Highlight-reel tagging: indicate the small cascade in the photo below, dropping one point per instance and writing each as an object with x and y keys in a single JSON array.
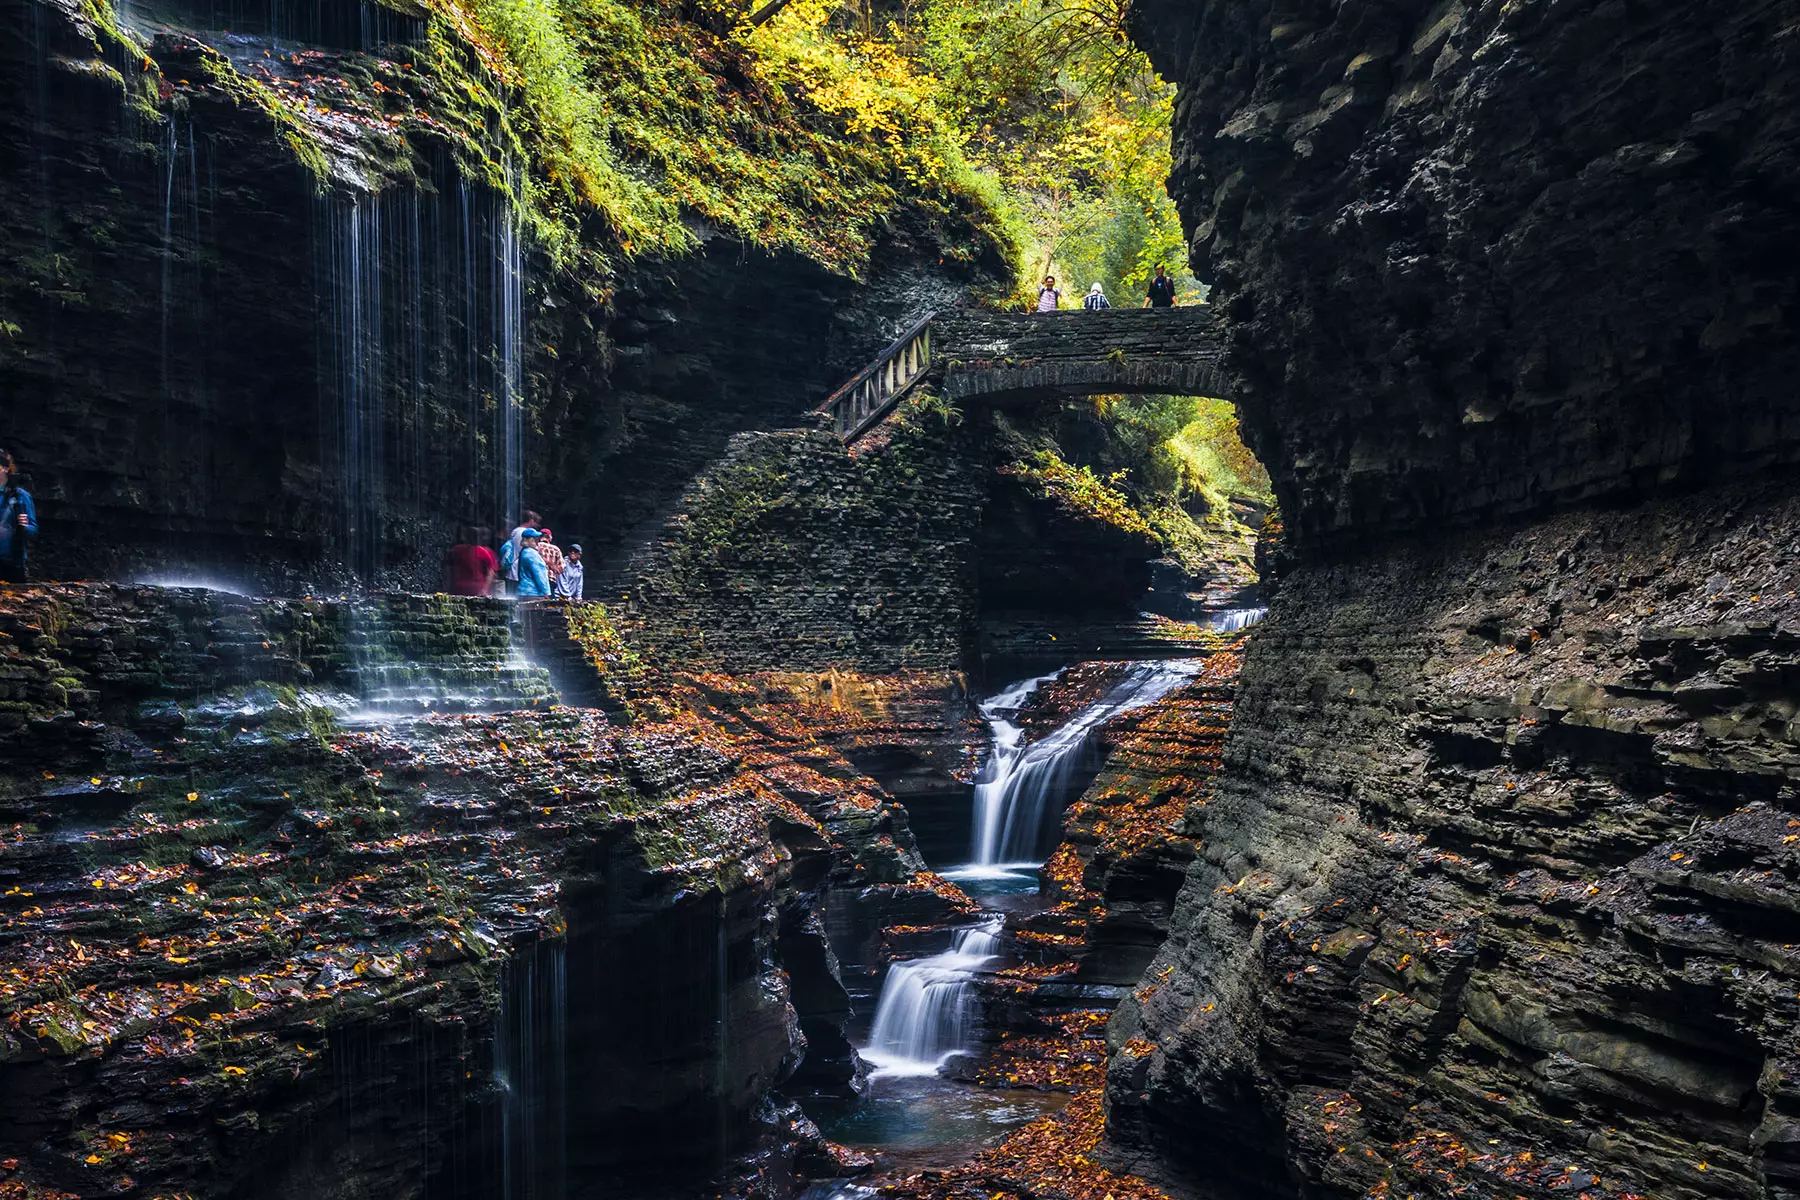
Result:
[
  {"x": 1023, "y": 787},
  {"x": 1233, "y": 620},
  {"x": 926, "y": 1008},
  {"x": 530, "y": 1067},
  {"x": 406, "y": 655}
]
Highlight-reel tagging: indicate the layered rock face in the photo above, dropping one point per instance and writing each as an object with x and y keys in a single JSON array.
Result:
[
  {"x": 1492, "y": 895},
  {"x": 1483, "y": 259},
  {"x": 275, "y": 314},
  {"x": 257, "y": 944}
]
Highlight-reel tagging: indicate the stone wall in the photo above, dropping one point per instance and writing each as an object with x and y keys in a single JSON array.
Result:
[
  {"x": 1003, "y": 356},
  {"x": 791, "y": 552}
]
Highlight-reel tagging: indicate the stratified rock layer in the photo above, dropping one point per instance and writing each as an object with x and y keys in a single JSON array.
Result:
[
  {"x": 1493, "y": 895},
  {"x": 1480, "y": 259},
  {"x": 252, "y": 943},
  {"x": 1496, "y": 890}
]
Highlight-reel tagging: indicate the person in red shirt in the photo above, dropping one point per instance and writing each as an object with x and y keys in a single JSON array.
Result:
[{"x": 472, "y": 566}]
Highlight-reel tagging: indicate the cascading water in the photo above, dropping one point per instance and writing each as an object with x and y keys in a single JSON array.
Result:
[
  {"x": 419, "y": 297},
  {"x": 1023, "y": 786},
  {"x": 1232, "y": 620},
  {"x": 926, "y": 1007},
  {"x": 530, "y": 1053}
]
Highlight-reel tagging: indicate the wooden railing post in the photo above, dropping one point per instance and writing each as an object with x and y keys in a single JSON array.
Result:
[{"x": 874, "y": 390}]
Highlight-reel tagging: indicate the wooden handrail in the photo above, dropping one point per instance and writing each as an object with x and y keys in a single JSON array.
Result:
[{"x": 872, "y": 392}]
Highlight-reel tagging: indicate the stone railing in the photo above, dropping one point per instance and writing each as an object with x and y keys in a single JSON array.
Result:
[{"x": 873, "y": 391}]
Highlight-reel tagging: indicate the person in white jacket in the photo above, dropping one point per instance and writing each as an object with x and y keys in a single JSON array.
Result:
[{"x": 569, "y": 584}]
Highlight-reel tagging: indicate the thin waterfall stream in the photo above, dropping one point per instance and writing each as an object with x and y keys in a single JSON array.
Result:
[{"x": 928, "y": 1016}]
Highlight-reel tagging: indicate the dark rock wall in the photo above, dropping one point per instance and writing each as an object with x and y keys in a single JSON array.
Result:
[
  {"x": 1487, "y": 259},
  {"x": 1496, "y": 881},
  {"x": 250, "y": 949},
  {"x": 1491, "y": 895},
  {"x": 223, "y": 359}
]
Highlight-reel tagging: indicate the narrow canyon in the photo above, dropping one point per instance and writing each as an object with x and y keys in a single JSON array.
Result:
[{"x": 1329, "y": 730}]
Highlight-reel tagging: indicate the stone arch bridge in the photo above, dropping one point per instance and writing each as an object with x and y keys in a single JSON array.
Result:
[{"x": 1002, "y": 358}]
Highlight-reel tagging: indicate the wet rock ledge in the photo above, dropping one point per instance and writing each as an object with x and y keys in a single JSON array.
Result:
[{"x": 251, "y": 944}]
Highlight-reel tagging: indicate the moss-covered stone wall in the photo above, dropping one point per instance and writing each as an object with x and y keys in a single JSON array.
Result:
[{"x": 793, "y": 552}]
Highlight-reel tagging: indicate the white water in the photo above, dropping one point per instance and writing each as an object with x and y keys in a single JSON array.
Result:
[
  {"x": 1234, "y": 619},
  {"x": 418, "y": 298},
  {"x": 926, "y": 1009},
  {"x": 1023, "y": 785}
]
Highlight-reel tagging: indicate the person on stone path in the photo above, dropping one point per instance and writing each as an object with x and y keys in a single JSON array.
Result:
[
  {"x": 550, "y": 553},
  {"x": 509, "y": 553},
  {"x": 1162, "y": 291},
  {"x": 18, "y": 522},
  {"x": 1095, "y": 300},
  {"x": 1049, "y": 299},
  {"x": 534, "y": 576},
  {"x": 471, "y": 565},
  {"x": 569, "y": 583}
]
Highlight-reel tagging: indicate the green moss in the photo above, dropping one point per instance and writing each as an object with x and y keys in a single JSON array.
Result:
[{"x": 623, "y": 674}]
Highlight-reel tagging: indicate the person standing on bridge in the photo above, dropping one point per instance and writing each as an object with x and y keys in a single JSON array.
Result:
[
  {"x": 1162, "y": 291},
  {"x": 1095, "y": 300},
  {"x": 1049, "y": 299}
]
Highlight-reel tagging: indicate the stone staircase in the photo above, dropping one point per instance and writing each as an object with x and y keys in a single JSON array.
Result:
[{"x": 403, "y": 653}]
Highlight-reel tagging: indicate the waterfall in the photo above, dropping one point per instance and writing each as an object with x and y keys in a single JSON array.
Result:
[
  {"x": 1023, "y": 787},
  {"x": 926, "y": 1008},
  {"x": 509, "y": 354},
  {"x": 530, "y": 1048},
  {"x": 421, "y": 322},
  {"x": 1234, "y": 619},
  {"x": 351, "y": 374}
]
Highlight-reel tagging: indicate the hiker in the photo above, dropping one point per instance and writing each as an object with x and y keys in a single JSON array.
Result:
[
  {"x": 534, "y": 576},
  {"x": 470, "y": 564},
  {"x": 551, "y": 554},
  {"x": 509, "y": 553},
  {"x": 1049, "y": 299},
  {"x": 1161, "y": 292},
  {"x": 1095, "y": 300},
  {"x": 18, "y": 522},
  {"x": 569, "y": 583}
]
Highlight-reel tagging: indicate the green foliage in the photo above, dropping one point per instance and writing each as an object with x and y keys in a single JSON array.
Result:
[
  {"x": 623, "y": 673},
  {"x": 1053, "y": 102},
  {"x": 792, "y": 136},
  {"x": 1182, "y": 446},
  {"x": 1080, "y": 490}
]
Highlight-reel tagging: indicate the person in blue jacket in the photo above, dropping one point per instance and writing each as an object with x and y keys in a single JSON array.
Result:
[
  {"x": 534, "y": 573},
  {"x": 18, "y": 522}
]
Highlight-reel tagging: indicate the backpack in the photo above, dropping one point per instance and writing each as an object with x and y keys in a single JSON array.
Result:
[{"x": 509, "y": 550}]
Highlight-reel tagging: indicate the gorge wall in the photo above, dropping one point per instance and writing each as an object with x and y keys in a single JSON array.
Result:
[
  {"x": 1493, "y": 892},
  {"x": 258, "y": 943},
  {"x": 282, "y": 301}
]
